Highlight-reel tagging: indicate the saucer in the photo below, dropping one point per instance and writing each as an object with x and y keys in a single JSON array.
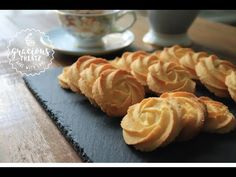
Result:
[
  {"x": 154, "y": 38},
  {"x": 64, "y": 42}
]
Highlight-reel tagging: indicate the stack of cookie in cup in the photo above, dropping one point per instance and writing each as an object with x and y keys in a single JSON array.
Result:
[{"x": 118, "y": 87}]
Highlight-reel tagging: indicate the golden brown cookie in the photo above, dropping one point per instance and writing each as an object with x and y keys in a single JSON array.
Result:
[
  {"x": 73, "y": 77},
  {"x": 173, "y": 53},
  {"x": 85, "y": 61},
  {"x": 219, "y": 119},
  {"x": 126, "y": 59},
  {"x": 152, "y": 123},
  {"x": 72, "y": 73},
  {"x": 63, "y": 78},
  {"x": 139, "y": 67},
  {"x": 156, "y": 53},
  {"x": 212, "y": 73},
  {"x": 89, "y": 76},
  {"x": 190, "y": 60},
  {"x": 192, "y": 113},
  {"x": 115, "y": 90},
  {"x": 230, "y": 82},
  {"x": 169, "y": 76}
]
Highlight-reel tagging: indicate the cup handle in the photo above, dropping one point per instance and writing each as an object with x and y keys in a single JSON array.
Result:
[{"x": 121, "y": 15}]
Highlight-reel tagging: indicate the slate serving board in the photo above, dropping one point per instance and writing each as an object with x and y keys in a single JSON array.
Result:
[{"x": 98, "y": 138}]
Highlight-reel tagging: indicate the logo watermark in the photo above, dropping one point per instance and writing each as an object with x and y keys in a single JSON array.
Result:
[{"x": 27, "y": 55}]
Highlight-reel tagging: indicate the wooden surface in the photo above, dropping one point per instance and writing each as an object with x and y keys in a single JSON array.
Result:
[{"x": 26, "y": 132}]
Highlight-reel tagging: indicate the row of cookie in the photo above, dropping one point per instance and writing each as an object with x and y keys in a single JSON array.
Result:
[
  {"x": 112, "y": 89},
  {"x": 156, "y": 122},
  {"x": 216, "y": 74},
  {"x": 209, "y": 69},
  {"x": 175, "y": 68},
  {"x": 154, "y": 74}
]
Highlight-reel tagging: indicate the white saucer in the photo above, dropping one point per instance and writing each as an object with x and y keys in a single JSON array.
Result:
[{"x": 64, "y": 42}]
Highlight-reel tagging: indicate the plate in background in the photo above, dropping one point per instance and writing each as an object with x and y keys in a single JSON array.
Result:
[{"x": 64, "y": 42}]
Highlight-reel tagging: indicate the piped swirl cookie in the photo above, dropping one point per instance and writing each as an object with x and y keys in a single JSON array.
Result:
[
  {"x": 127, "y": 58},
  {"x": 230, "y": 82},
  {"x": 219, "y": 119},
  {"x": 139, "y": 67},
  {"x": 190, "y": 60},
  {"x": 152, "y": 123},
  {"x": 115, "y": 90},
  {"x": 174, "y": 53},
  {"x": 169, "y": 76},
  {"x": 74, "y": 71},
  {"x": 156, "y": 53},
  {"x": 89, "y": 76},
  {"x": 192, "y": 113},
  {"x": 212, "y": 73},
  {"x": 70, "y": 75},
  {"x": 63, "y": 78}
]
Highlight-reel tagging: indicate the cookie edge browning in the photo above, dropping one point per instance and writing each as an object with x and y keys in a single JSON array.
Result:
[
  {"x": 62, "y": 78},
  {"x": 153, "y": 86},
  {"x": 149, "y": 145},
  {"x": 220, "y": 91},
  {"x": 232, "y": 92},
  {"x": 222, "y": 130},
  {"x": 83, "y": 83},
  {"x": 98, "y": 94},
  {"x": 183, "y": 136}
]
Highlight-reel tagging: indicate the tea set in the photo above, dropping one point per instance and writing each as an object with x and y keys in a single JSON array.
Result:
[{"x": 97, "y": 31}]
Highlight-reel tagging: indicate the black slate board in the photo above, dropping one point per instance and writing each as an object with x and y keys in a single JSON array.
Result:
[{"x": 97, "y": 138}]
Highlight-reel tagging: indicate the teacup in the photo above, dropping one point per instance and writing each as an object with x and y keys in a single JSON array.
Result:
[
  {"x": 90, "y": 26},
  {"x": 169, "y": 27}
]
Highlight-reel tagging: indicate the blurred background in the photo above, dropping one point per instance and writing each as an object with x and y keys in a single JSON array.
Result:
[
  {"x": 13, "y": 20},
  {"x": 222, "y": 16}
]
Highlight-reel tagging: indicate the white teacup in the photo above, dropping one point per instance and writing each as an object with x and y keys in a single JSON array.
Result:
[
  {"x": 169, "y": 27},
  {"x": 90, "y": 26}
]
